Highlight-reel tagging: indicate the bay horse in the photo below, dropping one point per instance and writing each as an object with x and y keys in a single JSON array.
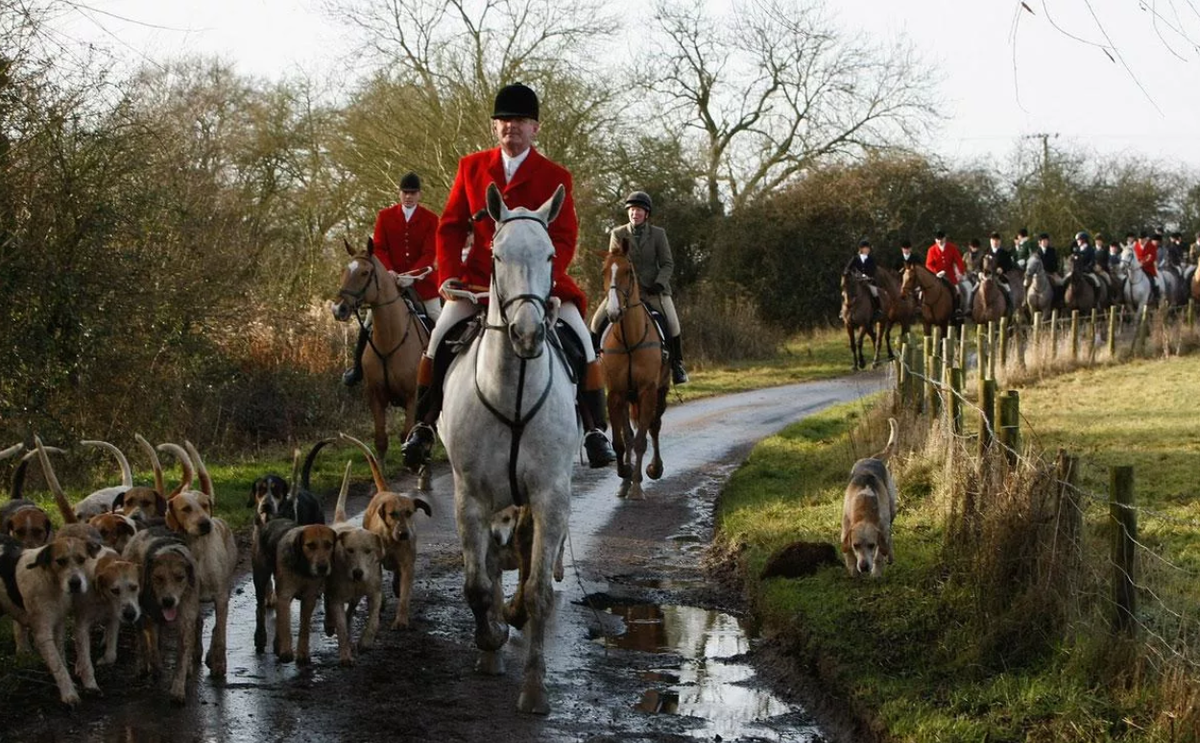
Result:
[
  {"x": 511, "y": 433},
  {"x": 988, "y": 304},
  {"x": 937, "y": 297},
  {"x": 897, "y": 310},
  {"x": 635, "y": 375},
  {"x": 858, "y": 316},
  {"x": 398, "y": 338},
  {"x": 1039, "y": 292},
  {"x": 1081, "y": 294}
]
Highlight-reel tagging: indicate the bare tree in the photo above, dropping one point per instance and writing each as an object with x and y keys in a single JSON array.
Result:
[{"x": 772, "y": 89}]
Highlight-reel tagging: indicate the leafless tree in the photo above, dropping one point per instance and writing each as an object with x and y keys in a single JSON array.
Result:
[{"x": 774, "y": 88}]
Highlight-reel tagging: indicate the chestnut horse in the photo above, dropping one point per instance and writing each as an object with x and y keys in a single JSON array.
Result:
[
  {"x": 988, "y": 304},
  {"x": 897, "y": 310},
  {"x": 1081, "y": 294},
  {"x": 857, "y": 314},
  {"x": 635, "y": 375},
  {"x": 937, "y": 297},
  {"x": 398, "y": 338}
]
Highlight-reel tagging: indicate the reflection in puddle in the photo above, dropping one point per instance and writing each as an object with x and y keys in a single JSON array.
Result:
[{"x": 712, "y": 683}]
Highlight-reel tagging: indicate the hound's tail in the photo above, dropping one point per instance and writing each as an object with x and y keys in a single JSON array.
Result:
[
  {"x": 308, "y": 463},
  {"x": 122, "y": 462},
  {"x": 17, "y": 489},
  {"x": 188, "y": 473},
  {"x": 64, "y": 506},
  {"x": 339, "y": 512},
  {"x": 152, "y": 455},
  {"x": 891, "y": 443}
]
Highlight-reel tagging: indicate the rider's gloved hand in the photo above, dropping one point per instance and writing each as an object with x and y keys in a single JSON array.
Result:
[
  {"x": 941, "y": 274},
  {"x": 450, "y": 284},
  {"x": 402, "y": 280}
]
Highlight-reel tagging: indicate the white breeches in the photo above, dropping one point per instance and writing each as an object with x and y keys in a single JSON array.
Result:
[
  {"x": 660, "y": 302},
  {"x": 458, "y": 310}
]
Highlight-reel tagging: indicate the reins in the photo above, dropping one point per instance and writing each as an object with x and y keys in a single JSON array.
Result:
[{"x": 358, "y": 303}]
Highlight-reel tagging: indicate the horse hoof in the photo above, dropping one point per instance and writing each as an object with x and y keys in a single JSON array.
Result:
[
  {"x": 635, "y": 493},
  {"x": 490, "y": 664},
  {"x": 654, "y": 471},
  {"x": 624, "y": 489},
  {"x": 534, "y": 702},
  {"x": 423, "y": 479}
]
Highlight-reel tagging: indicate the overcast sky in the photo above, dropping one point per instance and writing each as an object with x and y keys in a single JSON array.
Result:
[{"x": 1005, "y": 72}]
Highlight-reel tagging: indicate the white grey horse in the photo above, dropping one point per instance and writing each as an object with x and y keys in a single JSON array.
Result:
[
  {"x": 1039, "y": 292},
  {"x": 511, "y": 434},
  {"x": 1135, "y": 284}
]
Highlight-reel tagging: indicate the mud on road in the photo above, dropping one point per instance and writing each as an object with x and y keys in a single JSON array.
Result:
[{"x": 644, "y": 645}]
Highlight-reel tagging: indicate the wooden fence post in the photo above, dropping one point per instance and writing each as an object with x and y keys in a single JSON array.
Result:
[
  {"x": 1074, "y": 335},
  {"x": 927, "y": 365},
  {"x": 1010, "y": 424},
  {"x": 1191, "y": 313},
  {"x": 1069, "y": 523},
  {"x": 1003, "y": 341},
  {"x": 1112, "y": 332},
  {"x": 956, "y": 391},
  {"x": 980, "y": 353},
  {"x": 987, "y": 413},
  {"x": 936, "y": 375},
  {"x": 991, "y": 346},
  {"x": 1037, "y": 333},
  {"x": 1143, "y": 330},
  {"x": 1120, "y": 509},
  {"x": 1054, "y": 334}
]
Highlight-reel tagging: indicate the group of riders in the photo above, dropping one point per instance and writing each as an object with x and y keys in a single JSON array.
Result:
[
  {"x": 435, "y": 259},
  {"x": 1097, "y": 261}
]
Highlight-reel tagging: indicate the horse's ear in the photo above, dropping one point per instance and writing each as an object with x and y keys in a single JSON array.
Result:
[
  {"x": 370, "y": 246},
  {"x": 349, "y": 249},
  {"x": 495, "y": 204},
  {"x": 555, "y": 203}
]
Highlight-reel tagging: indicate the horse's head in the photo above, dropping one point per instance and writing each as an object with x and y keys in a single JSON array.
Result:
[
  {"x": 360, "y": 282},
  {"x": 523, "y": 270},
  {"x": 1033, "y": 267},
  {"x": 620, "y": 281},
  {"x": 908, "y": 283}
]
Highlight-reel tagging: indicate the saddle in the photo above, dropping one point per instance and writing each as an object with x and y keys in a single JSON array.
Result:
[{"x": 417, "y": 308}]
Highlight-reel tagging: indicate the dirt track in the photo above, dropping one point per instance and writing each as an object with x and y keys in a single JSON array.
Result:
[{"x": 633, "y": 576}]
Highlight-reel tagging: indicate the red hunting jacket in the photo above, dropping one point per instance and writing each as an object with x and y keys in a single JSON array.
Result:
[
  {"x": 532, "y": 185},
  {"x": 1147, "y": 255},
  {"x": 411, "y": 245},
  {"x": 946, "y": 260}
]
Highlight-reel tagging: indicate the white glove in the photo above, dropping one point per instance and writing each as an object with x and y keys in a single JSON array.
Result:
[
  {"x": 941, "y": 274},
  {"x": 450, "y": 284},
  {"x": 402, "y": 281}
]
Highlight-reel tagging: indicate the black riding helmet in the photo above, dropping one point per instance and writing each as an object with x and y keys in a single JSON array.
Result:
[
  {"x": 516, "y": 101},
  {"x": 639, "y": 198}
]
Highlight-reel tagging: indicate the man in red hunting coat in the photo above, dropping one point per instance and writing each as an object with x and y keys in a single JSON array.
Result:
[
  {"x": 525, "y": 179},
  {"x": 1146, "y": 252},
  {"x": 944, "y": 260},
  {"x": 405, "y": 242}
]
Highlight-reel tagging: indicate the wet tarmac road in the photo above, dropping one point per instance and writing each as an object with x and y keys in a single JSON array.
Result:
[{"x": 639, "y": 650}]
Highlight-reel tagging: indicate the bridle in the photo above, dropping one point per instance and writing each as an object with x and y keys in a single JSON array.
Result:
[
  {"x": 625, "y": 305},
  {"x": 355, "y": 300}
]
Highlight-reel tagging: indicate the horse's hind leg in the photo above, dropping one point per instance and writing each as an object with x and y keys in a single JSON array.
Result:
[
  {"x": 655, "y": 469},
  {"x": 379, "y": 416},
  {"x": 549, "y": 528},
  {"x": 481, "y": 582}
]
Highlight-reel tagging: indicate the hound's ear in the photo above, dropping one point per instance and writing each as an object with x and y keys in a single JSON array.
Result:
[
  {"x": 252, "y": 501},
  {"x": 93, "y": 547},
  {"x": 206, "y": 504},
  {"x": 423, "y": 504},
  {"x": 127, "y": 527},
  {"x": 118, "y": 503},
  {"x": 191, "y": 573},
  {"x": 43, "y": 559},
  {"x": 172, "y": 522},
  {"x": 370, "y": 246},
  {"x": 160, "y": 503},
  {"x": 495, "y": 204},
  {"x": 847, "y": 547},
  {"x": 349, "y": 249},
  {"x": 379, "y": 545}
]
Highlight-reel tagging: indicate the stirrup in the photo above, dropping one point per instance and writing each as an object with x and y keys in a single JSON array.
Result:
[
  {"x": 599, "y": 452},
  {"x": 352, "y": 376},
  {"x": 679, "y": 375},
  {"x": 418, "y": 446}
]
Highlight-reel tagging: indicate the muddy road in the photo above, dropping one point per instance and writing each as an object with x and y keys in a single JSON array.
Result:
[{"x": 642, "y": 647}]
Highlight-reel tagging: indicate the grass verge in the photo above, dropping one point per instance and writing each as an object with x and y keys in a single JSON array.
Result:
[{"x": 906, "y": 653}]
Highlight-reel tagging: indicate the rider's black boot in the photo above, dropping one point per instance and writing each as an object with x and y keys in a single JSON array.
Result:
[
  {"x": 354, "y": 374},
  {"x": 419, "y": 444},
  {"x": 679, "y": 375},
  {"x": 592, "y": 411}
]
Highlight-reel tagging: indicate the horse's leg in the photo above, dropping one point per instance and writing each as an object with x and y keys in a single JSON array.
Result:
[
  {"x": 870, "y": 331},
  {"x": 627, "y": 454},
  {"x": 481, "y": 580},
  {"x": 379, "y": 408},
  {"x": 549, "y": 528},
  {"x": 853, "y": 353},
  {"x": 882, "y": 324},
  {"x": 655, "y": 469},
  {"x": 647, "y": 405},
  {"x": 618, "y": 410}
]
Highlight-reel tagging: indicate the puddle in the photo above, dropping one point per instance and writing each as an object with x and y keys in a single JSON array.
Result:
[{"x": 713, "y": 682}]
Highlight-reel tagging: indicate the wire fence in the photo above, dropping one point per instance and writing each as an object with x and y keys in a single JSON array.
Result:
[{"x": 1131, "y": 569}]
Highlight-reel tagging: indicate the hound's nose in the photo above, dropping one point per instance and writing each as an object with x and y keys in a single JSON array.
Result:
[
  {"x": 168, "y": 602},
  {"x": 357, "y": 574},
  {"x": 205, "y": 527},
  {"x": 75, "y": 584},
  {"x": 129, "y": 615},
  {"x": 323, "y": 568}
]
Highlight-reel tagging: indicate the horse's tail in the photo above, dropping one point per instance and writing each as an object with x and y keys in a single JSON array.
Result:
[
  {"x": 339, "y": 511},
  {"x": 891, "y": 442},
  {"x": 308, "y": 463}
]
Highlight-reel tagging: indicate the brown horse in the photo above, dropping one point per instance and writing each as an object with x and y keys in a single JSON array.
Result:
[
  {"x": 897, "y": 310},
  {"x": 635, "y": 374},
  {"x": 398, "y": 338},
  {"x": 1081, "y": 294},
  {"x": 937, "y": 297},
  {"x": 858, "y": 316},
  {"x": 988, "y": 304},
  {"x": 1196, "y": 285}
]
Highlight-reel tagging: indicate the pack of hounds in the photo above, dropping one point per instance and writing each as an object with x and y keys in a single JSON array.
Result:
[{"x": 147, "y": 559}]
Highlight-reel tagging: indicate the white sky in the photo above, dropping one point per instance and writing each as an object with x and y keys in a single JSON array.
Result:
[{"x": 996, "y": 85}]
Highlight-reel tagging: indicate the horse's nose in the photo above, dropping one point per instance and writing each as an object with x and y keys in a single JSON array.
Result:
[{"x": 339, "y": 311}]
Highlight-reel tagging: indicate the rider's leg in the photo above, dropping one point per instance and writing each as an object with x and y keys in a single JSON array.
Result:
[
  {"x": 679, "y": 375},
  {"x": 354, "y": 374},
  {"x": 430, "y": 376},
  {"x": 597, "y": 325},
  {"x": 1155, "y": 296},
  {"x": 433, "y": 308},
  {"x": 590, "y": 393}
]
